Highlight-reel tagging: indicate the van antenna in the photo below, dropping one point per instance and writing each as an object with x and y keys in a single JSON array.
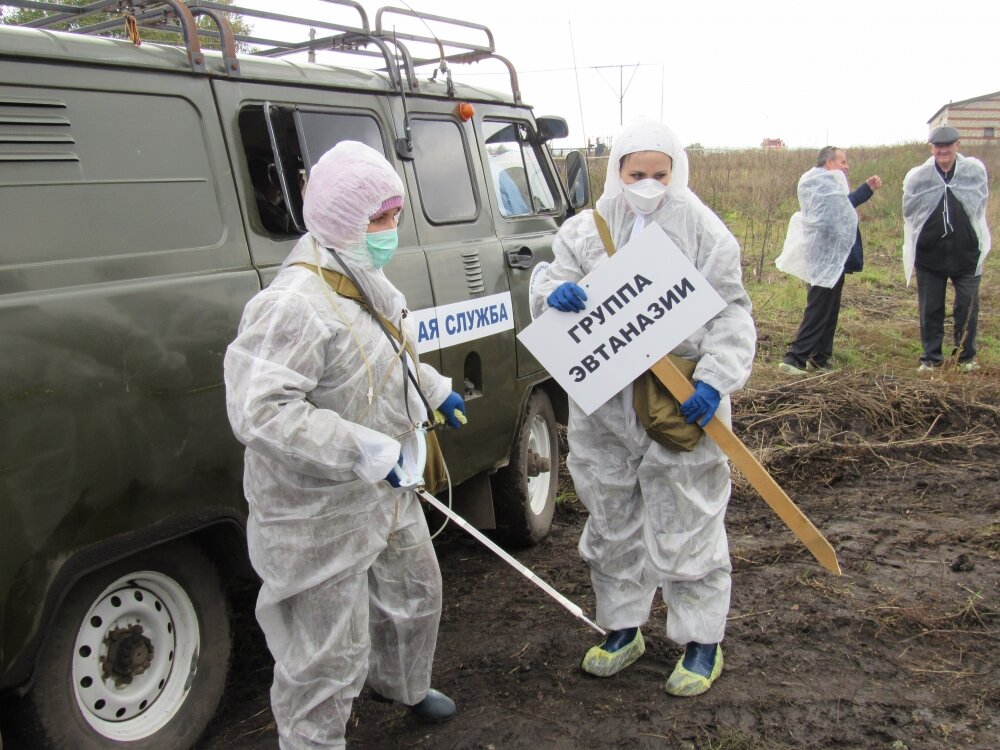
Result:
[
  {"x": 443, "y": 66},
  {"x": 579, "y": 99}
]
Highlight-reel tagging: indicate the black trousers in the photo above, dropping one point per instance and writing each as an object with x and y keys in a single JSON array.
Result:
[
  {"x": 931, "y": 288},
  {"x": 814, "y": 340}
]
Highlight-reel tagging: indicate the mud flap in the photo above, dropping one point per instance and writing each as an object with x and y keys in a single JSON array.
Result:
[{"x": 473, "y": 500}]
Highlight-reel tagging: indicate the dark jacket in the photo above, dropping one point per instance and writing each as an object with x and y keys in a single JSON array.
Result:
[
  {"x": 948, "y": 248},
  {"x": 856, "y": 258}
]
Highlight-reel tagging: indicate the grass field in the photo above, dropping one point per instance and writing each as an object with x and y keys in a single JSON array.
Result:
[{"x": 753, "y": 191}]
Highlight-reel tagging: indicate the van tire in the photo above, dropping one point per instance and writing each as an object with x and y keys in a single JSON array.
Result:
[
  {"x": 174, "y": 593},
  {"x": 523, "y": 503}
]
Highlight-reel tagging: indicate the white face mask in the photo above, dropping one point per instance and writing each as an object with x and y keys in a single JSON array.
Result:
[{"x": 644, "y": 196}]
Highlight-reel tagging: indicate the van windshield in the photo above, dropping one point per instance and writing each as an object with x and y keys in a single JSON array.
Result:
[{"x": 518, "y": 177}]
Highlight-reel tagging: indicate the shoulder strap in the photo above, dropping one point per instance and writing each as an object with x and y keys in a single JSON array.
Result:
[
  {"x": 347, "y": 288},
  {"x": 605, "y": 232},
  {"x": 337, "y": 281}
]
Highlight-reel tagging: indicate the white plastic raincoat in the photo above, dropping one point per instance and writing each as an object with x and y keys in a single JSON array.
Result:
[
  {"x": 821, "y": 234},
  {"x": 350, "y": 582},
  {"x": 656, "y": 515},
  {"x": 923, "y": 188}
]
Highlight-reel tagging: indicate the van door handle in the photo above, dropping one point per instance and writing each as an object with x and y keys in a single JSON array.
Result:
[{"x": 520, "y": 258}]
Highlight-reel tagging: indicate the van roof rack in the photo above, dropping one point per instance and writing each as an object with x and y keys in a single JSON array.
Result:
[
  {"x": 140, "y": 15},
  {"x": 448, "y": 50},
  {"x": 178, "y": 16}
]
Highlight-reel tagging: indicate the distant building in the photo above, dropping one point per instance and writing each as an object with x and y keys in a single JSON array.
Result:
[
  {"x": 772, "y": 144},
  {"x": 977, "y": 120}
]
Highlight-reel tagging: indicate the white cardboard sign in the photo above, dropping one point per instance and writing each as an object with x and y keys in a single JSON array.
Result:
[{"x": 641, "y": 303}]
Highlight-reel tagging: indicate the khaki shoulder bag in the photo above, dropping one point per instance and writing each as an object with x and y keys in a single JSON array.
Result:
[{"x": 657, "y": 410}]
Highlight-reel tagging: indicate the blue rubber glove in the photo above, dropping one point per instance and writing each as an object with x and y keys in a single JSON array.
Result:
[
  {"x": 701, "y": 406},
  {"x": 448, "y": 408},
  {"x": 568, "y": 297},
  {"x": 392, "y": 477}
]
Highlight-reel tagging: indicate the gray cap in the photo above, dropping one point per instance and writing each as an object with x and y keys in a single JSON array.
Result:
[{"x": 943, "y": 135}]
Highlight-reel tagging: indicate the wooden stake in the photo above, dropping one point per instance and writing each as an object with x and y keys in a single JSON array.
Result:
[{"x": 756, "y": 474}]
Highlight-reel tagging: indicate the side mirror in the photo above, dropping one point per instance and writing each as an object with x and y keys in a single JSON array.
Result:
[
  {"x": 550, "y": 128},
  {"x": 577, "y": 180}
]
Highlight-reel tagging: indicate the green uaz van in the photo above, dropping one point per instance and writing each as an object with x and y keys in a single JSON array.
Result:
[{"x": 146, "y": 193}]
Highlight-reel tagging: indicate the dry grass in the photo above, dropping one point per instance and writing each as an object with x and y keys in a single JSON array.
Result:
[
  {"x": 833, "y": 588},
  {"x": 819, "y": 429},
  {"x": 989, "y": 536},
  {"x": 727, "y": 738},
  {"x": 930, "y": 617}
]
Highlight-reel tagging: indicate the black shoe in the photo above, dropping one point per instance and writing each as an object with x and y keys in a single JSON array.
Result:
[
  {"x": 435, "y": 707},
  {"x": 618, "y": 638},
  {"x": 696, "y": 670},
  {"x": 620, "y": 649},
  {"x": 700, "y": 658}
]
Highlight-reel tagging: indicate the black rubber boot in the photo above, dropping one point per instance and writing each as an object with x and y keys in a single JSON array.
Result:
[
  {"x": 435, "y": 707},
  {"x": 618, "y": 638},
  {"x": 620, "y": 649},
  {"x": 696, "y": 670},
  {"x": 700, "y": 658}
]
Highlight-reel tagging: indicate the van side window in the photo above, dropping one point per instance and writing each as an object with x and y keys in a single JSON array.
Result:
[
  {"x": 271, "y": 206},
  {"x": 442, "y": 166},
  {"x": 281, "y": 152},
  {"x": 522, "y": 184},
  {"x": 266, "y": 159},
  {"x": 320, "y": 131}
]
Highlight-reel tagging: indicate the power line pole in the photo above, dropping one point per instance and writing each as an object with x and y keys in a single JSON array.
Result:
[{"x": 622, "y": 86}]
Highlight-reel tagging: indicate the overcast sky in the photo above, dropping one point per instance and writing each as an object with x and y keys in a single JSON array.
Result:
[{"x": 728, "y": 73}]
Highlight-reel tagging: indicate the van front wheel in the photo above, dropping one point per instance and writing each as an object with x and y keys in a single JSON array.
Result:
[
  {"x": 525, "y": 489},
  {"x": 136, "y": 656}
]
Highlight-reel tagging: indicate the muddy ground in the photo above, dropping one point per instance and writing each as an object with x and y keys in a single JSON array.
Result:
[{"x": 902, "y": 476}]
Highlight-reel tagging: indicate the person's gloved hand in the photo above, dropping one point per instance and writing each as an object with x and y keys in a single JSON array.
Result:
[
  {"x": 392, "y": 477},
  {"x": 701, "y": 406},
  {"x": 453, "y": 410},
  {"x": 568, "y": 297}
]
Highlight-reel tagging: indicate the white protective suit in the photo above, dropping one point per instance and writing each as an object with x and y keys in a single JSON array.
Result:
[
  {"x": 656, "y": 515},
  {"x": 923, "y": 188},
  {"x": 820, "y": 234},
  {"x": 350, "y": 582}
]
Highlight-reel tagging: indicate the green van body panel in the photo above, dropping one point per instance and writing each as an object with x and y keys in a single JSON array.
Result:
[
  {"x": 123, "y": 276},
  {"x": 130, "y": 245}
]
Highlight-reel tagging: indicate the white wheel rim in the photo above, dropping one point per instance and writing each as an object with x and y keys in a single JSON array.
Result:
[
  {"x": 140, "y": 708},
  {"x": 540, "y": 442}
]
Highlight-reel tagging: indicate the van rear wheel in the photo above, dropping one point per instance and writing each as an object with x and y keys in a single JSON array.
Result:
[
  {"x": 136, "y": 657},
  {"x": 525, "y": 489}
]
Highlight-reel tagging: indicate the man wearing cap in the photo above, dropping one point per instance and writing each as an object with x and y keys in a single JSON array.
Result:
[
  {"x": 945, "y": 236},
  {"x": 822, "y": 244}
]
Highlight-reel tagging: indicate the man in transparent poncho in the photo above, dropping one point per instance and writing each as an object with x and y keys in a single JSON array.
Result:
[
  {"x": 822, "y": 245},
  {"x": 945, "y": 236}
]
